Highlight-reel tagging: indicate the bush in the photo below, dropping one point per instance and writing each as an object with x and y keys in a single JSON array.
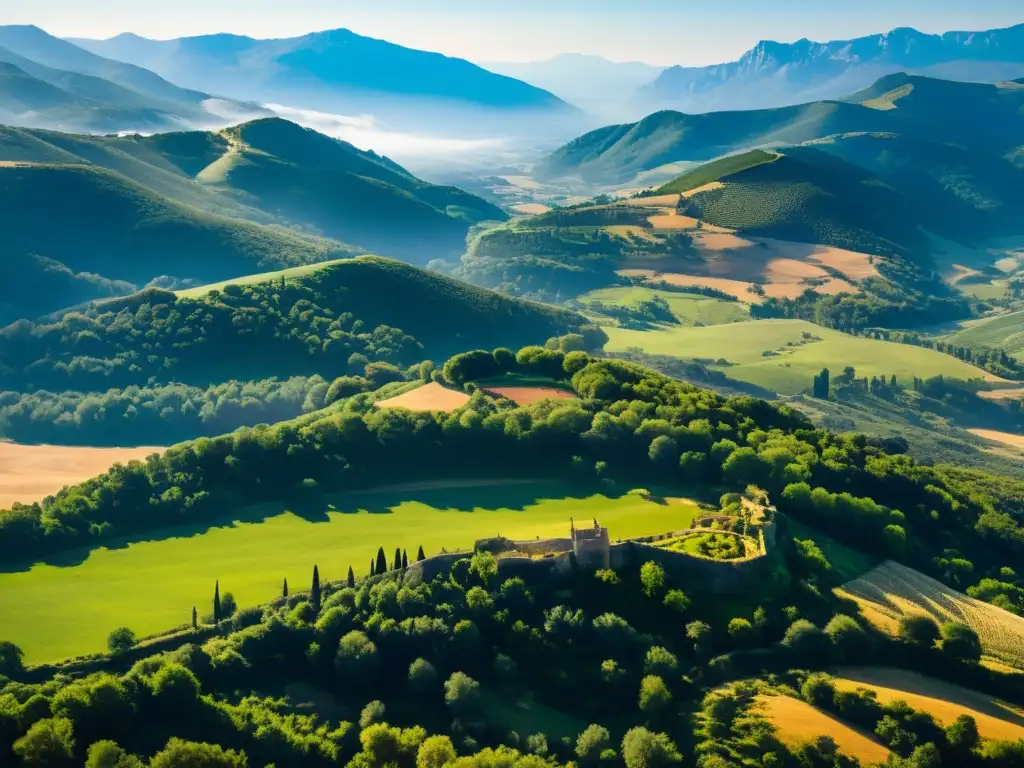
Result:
[
  {"x": 121, "y": 640},
  {"x": 919, "y": 629},
  {"x": 848, "y": 637},
  {"x": 642, "y": 748},
  {"x": 422, "y": 676},
  {"x": 49, "y": 742},
  {"x": 960, "y": 642},
  {"x": 654, "y": 695},
  {"x": 462, "y": 693},
  {"x": 807, "y": 642},
  {"x": 591, "y": 743}
]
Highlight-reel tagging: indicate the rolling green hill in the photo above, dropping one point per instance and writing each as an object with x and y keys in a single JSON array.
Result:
[
  {"x": 980, "y": 116},
  {"x": 91, "y": 220},
  {"x": 329, "y": 320},
  {"x": 1004, "y": 332}
]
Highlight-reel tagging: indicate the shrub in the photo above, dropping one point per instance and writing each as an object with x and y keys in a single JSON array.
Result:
[
  {"x": 806, "y": 641},
  {"x": 462, "y": 693},
  {"x": 919, "y": 629},
  {"x": 121, "y": 640},
  {"x": 642, "y": 748},
  {"x": 960, "y": 642},
  {"x": 422, "y": 676},
  {"x": 652, "y": 578}
]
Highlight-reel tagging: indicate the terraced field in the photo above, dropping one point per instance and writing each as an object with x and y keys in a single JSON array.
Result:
[{"x": 892, "y": 590}]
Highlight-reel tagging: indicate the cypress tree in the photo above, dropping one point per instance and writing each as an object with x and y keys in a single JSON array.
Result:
[
  {"x": 351, "y": 580},
  {"x": 420, "y": 555},
  {"x": 398, "y": 560},
  {"x": 195, "y": 618},
  {"x": 382, "y": 562},
  {"x": 372, "y": 573},
  {"x": 405, "y": 560},
  {"x": 284, "y": 590},
  {"x": 315, "y": 591},
  {"x": 216, "y": 602}
]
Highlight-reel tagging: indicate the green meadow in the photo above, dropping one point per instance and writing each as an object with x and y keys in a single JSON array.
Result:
[
  {"x": 689, "y": 308},
  {"x": 791, "y": 360},
  {"x": 58, "y": 610}
]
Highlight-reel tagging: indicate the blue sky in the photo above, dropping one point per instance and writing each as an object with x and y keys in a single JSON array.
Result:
[{"x": 661, "y": 32}]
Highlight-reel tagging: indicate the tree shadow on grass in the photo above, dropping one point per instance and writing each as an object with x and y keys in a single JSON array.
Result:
[{"x": 467, "y": 497}]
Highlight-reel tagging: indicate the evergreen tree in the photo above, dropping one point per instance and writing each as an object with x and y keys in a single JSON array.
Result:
[
  {"x": 372, "y": 573},
  {"x": 195, "y": 618},
  {"x": 398, "y": 560},
  {"x": 216, "y": 602},
  {"x": 284, "y": 590},
  {"x": 420, "y": 555},
  {"x": 405, "y": 560},
  {"x": 382, "y": 562},
  {"x": 820, "y": 388},
  {"x": 351, "y": 580},
  {"x": 315, "y": 591}
]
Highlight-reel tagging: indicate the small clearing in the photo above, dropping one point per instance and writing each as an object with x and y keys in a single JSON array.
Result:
[
  {"x": 709, "y": 187},
  {"x": 1002, "y": 394},
  {"x": 736, "y": 288},
  {"x": 887, "y": 101},
  {"x": 217, "y": 171},
  {"x": 797, "y": 722},
  {"x": 429, "y": 397},
  {"x": 1004, "y": 438},
  {"x": 673, "y": 220},
  {"x": 527, "y": 395},
  {"x": 659, "y": 201},
  {"x": 943, "y": 701},
  {"x": 891, "y": 591},
  {"x": 29, "y": 473}
]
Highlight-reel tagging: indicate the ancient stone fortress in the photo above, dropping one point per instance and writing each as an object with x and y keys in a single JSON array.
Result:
[{"x": 590, "y": 547}]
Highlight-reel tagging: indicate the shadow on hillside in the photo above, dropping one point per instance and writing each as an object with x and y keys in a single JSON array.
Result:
[{"x": 465, "y": 496}]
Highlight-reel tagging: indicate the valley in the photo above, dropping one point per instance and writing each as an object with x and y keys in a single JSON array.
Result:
[{"x": 310, "y": 456}]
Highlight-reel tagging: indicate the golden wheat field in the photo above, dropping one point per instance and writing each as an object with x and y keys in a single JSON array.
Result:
[
  {"x": 30, "y": 472},
  {"x": 429, "y": 397},
  {"x": 943, "y": 701},
  {"x": 797, "y": 722},
  {"x": 891, "y": 590}
]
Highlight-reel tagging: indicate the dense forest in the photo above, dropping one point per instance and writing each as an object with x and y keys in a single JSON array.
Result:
[{"x": 630, "y": 423}]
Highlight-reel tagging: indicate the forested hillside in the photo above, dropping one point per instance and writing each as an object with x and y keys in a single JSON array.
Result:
[{"x": 156, "y": 365}]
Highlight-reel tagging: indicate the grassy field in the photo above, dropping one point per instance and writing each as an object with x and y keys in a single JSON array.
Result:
[
  {"x": 944, "y": 701},
  {"x": 789, "y": 369},
  {"x": 1000, "y": 332},
  {"x": 797, "y": 722},
  {"x": 31, "y": 472},
  {"x": 525, "y": 716},
  {"x": 151, "y": 586},
  {"x": 689, "y": 308},
  {"x": 891, "y": 590}
]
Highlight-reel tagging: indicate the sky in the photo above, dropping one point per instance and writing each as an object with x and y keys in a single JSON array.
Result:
[{"x": 660, "y": 32}]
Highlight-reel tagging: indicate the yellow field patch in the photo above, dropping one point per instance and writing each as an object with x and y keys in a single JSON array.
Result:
[
  {"x": 891, "y": 591},
  {"x": 628, "y": 231},
  {"x": 1005, "y": 438},
  {"x": 29, "y": 473},
  {"x": 797, "y": 722},
  {"x": 943, "y": 701},
  {"x": 429, "y": 397},
  {"x": 531, "y": 209},
  {"x": 709, "y": 187},
  {"x": 673, "y": 220},
  {"x": 736, "y": 288},
  {"x": 1002, "y": 394}
]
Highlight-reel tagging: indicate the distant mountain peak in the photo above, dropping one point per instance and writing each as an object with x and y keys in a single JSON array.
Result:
[{"x": 775, "y": 74}]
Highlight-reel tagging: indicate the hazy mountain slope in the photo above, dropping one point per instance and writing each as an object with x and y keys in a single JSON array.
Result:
[
  {"x": 777, "y": 74},
  {"x": 274, "y": 172},
  {"x": 35, "y": 44},
  {"x": 331, "y": 65},
  {"x": 617, "y": 153},
  {"x": 986, "y": 117},
  {"x": 90, "y": 220},
  {"x": 592, "y": 83}
]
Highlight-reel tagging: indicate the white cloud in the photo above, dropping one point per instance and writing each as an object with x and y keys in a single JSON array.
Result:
[{"x": 366, "y": 132}]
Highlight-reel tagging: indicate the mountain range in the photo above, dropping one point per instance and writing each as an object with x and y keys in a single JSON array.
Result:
[
  {"x": 981, "y": 116},
  {"x": 47, "y": 82},
  {"x": 774, "y": 74},
  {"x": 91, "y": 216},
  {"x": 335, "y": 70}
]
